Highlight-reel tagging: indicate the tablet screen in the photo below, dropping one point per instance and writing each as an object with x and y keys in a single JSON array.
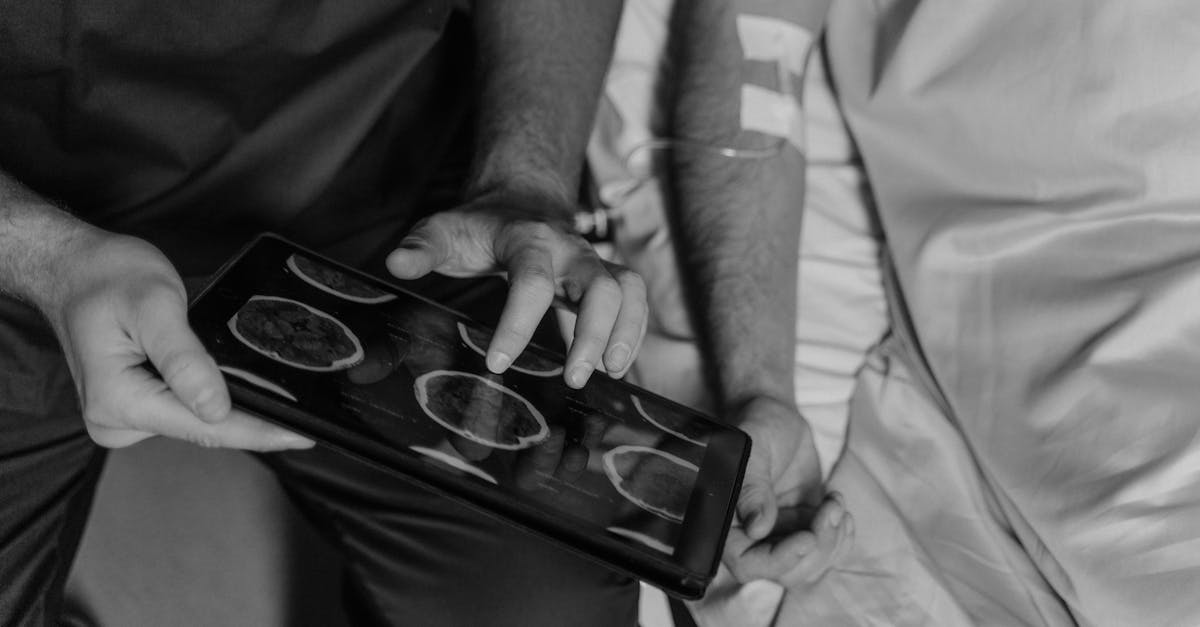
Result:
[{"x": 410, "y": 374}]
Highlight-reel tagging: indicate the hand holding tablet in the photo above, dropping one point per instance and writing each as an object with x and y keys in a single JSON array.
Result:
[{"x": 629, "y": 479}]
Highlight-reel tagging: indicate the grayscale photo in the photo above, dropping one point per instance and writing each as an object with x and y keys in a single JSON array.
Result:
[{"x": 599, "y": 313}]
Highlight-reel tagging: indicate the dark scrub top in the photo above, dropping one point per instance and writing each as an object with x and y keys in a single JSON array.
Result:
[{"x": 198, "y": 123}]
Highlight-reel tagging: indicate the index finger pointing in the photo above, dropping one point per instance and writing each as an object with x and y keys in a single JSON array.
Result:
[
  {"x": 531, "y": 291},
  {"x": 630, "y": 326}
]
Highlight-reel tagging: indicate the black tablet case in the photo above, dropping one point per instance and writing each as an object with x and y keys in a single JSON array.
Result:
[{"x": 378, "y": 421}]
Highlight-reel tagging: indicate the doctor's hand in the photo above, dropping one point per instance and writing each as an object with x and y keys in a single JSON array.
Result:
[
  {"x": 533, "y": 240},
  {"x": 790, "y": 530},
  {"x": 120, "y": 304}
]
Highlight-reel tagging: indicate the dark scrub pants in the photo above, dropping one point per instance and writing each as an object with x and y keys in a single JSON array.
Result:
[
  {"x": 48, "y": 468},
  {"x": 414, "y": 558}
]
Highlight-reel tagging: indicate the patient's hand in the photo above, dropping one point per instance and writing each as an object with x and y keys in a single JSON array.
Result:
[{"x": 790, "y": 529}]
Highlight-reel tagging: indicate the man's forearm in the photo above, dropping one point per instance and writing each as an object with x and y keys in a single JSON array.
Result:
[
  {"x": 739, "y": 218},
  {"x": 542, "y": 64},
  {"x": 33, "y": 234}
]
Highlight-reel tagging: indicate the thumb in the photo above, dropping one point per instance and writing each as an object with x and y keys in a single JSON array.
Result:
[
  {"x": 180, "y": 358},
  {"x": 756, "y": 506},
  {"x": 422, "y": 251}
]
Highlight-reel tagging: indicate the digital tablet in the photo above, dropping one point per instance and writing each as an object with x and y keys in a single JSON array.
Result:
[{"x": 623, "y": 476}]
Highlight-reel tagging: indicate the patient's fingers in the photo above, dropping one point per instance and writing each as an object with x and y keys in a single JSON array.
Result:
[
  {"x": 834, "y": 529},
  {"x": 756, "y": 506},
  {"x": 749, "y": 560},
  {"x": 802, "y": 547}
]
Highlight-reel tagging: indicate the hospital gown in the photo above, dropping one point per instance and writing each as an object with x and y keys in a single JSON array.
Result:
[{"x": 1022, "y": 447}]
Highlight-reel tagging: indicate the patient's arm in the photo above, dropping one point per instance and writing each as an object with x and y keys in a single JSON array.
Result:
[{"x": 738, "y": 198}]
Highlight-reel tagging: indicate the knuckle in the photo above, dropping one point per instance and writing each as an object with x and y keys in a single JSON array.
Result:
[
  {"x": 535, "y": 230},
  {"x": 591, "y": 346},
  {"x": 179, "y": 367},
  {"x": 428, "y": 230},
  {"x": 607, "y": 288},
  {"x": 537, "y": 272},
  {"x": 535, "y": 279},
  {"x": 630, "y": 280},
  {"x": 153, "y": 300},
  {"x": 157, "y": 294},
  {"x": 190, "y": 369},
  {"x": 438, "y": 222}
]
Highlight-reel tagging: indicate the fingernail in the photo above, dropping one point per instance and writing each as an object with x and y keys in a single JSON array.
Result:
[
  {"x": 497, "y": 362},
  {"x": 617, "y": 356},
  {"x": 295, "y": 440},
  {"x": 579, "y": 375},
  {"x": 410, "y": 243},
  {"x": 835, "y": 515}
]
